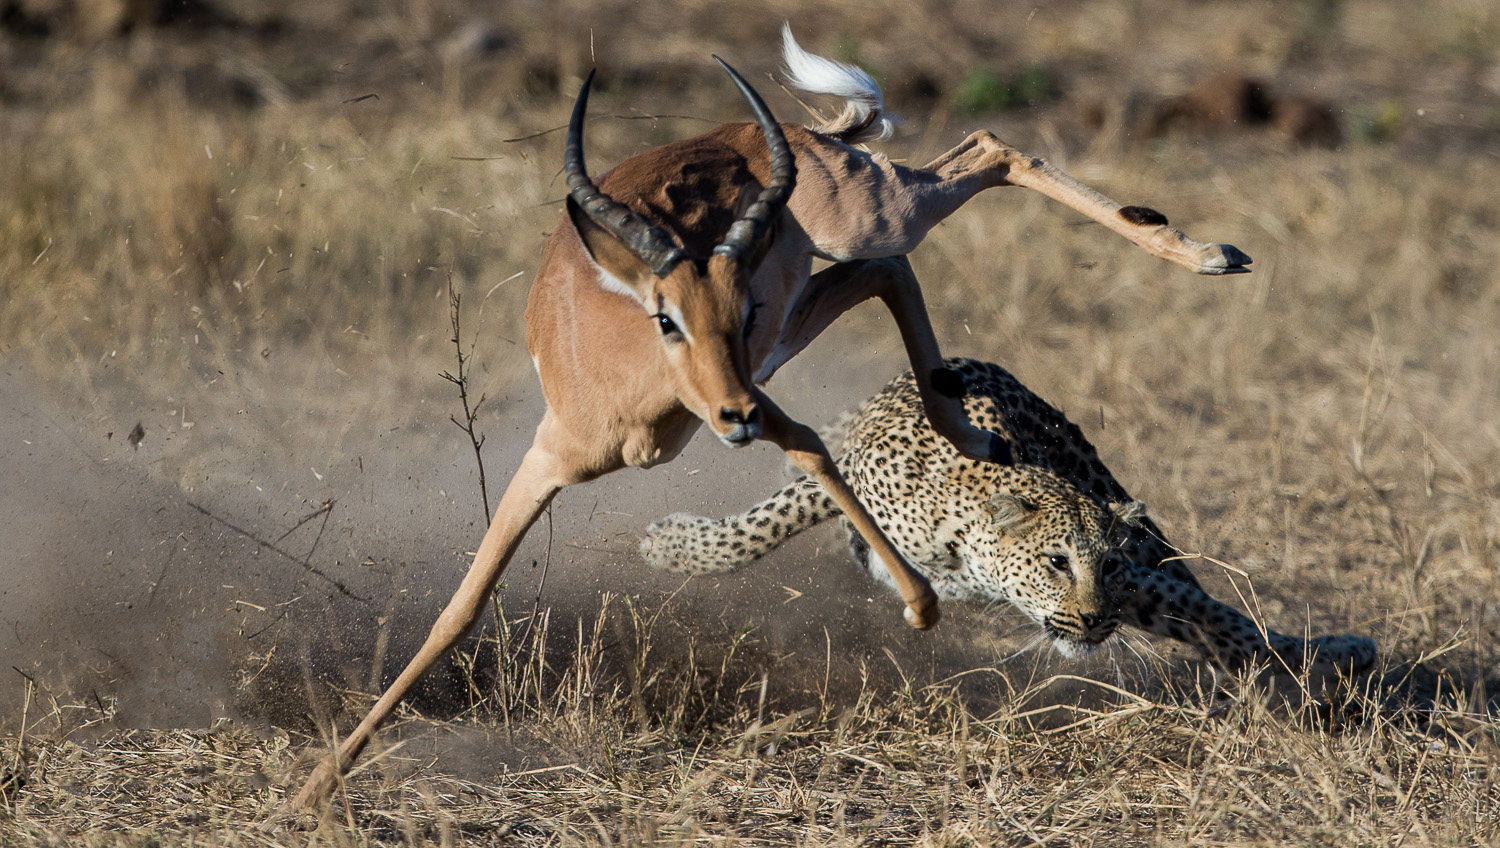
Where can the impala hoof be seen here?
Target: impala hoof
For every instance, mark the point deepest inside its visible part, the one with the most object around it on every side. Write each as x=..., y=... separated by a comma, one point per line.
x=922, y=619
x=319, y=786
x=1231, y=260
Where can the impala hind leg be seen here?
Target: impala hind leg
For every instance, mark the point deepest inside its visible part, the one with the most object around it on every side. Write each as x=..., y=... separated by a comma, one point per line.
x=541, y=475
x=983, y=161
x=839, y=288
x=807, y=452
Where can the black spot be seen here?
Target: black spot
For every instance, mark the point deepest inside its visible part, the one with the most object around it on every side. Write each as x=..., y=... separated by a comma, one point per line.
x=947, y=382
x=1000, y=451
x=1143, y=216
x=1147, y=614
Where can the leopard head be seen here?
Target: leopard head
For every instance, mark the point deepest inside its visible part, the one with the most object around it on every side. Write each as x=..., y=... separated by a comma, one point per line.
x=1050, y=553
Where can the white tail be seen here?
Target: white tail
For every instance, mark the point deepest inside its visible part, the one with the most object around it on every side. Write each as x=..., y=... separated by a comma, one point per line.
x=863, y=118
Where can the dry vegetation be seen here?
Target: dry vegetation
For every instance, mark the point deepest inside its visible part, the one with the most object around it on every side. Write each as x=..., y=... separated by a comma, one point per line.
x=207, y=208
x=674, y=755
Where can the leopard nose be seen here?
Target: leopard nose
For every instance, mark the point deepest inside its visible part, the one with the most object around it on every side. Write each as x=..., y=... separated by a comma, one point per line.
x=1091, y=620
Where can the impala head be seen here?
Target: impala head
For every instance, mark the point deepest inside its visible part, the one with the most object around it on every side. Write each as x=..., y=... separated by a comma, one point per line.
x=699, y=306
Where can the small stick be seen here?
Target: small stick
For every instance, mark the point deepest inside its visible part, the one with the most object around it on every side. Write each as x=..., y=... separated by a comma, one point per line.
x=461, y=379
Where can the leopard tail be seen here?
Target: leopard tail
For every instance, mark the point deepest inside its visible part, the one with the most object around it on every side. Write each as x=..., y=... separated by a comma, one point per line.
x=698, y=545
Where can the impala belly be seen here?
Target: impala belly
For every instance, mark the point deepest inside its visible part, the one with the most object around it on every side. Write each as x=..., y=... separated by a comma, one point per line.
x=858, y=205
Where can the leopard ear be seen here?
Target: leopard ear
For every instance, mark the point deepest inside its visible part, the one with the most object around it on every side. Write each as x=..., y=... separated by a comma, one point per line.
x=1125, y=515
x=1128, y=513
x=1011, y=514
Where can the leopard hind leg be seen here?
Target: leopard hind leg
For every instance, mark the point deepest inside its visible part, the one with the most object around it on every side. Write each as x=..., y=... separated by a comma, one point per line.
x=1153, y=600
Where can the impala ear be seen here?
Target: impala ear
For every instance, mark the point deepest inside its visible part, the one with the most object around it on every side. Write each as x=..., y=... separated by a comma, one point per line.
x=1011, y=514
x=611, y=254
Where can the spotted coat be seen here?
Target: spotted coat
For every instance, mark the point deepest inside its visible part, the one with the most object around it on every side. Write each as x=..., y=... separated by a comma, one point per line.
x=1055, y=534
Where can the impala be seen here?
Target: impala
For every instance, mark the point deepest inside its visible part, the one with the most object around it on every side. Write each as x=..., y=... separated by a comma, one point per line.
x=682, y=281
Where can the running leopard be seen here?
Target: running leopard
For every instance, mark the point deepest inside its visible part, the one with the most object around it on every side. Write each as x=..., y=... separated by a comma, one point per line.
x=1055, y=534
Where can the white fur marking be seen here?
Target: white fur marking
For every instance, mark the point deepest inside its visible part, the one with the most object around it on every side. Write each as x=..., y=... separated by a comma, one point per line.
x=610, y=283
x=818, y=75
x=671, y=311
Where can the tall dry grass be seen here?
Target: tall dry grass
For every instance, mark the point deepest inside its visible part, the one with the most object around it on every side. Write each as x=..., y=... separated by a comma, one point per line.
x=699, y=754
x=287, y=255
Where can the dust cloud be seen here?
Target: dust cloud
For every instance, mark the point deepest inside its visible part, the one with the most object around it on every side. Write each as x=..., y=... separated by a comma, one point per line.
x=268, y=581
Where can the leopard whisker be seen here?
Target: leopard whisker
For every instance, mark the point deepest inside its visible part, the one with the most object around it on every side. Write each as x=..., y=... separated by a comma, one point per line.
x=1150, y=652
x=1035, y=640
x=1145, y=664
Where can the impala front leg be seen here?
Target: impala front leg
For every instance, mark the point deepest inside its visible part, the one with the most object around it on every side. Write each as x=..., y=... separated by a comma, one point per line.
x=983, y=161
x=807, y=452
x=839, y=288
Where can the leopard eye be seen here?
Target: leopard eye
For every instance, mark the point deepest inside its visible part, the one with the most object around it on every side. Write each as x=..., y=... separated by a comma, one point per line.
x=665, y=324
x=1058, y=561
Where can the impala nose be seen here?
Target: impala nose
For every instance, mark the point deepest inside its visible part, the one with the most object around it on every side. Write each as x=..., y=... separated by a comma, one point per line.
x=735, y=416
x=744, y=425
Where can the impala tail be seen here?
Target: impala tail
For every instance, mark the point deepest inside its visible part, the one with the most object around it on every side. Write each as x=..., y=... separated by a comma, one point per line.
x=863, y=118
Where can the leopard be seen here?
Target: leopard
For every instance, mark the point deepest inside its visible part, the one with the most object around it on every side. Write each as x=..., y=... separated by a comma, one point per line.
x=1054, y=534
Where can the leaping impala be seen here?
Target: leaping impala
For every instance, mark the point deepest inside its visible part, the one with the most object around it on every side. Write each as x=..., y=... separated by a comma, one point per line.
x=682, y=281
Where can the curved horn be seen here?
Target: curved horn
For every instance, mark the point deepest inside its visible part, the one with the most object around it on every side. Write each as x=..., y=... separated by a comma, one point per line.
x=746, y=234
x=648, y=243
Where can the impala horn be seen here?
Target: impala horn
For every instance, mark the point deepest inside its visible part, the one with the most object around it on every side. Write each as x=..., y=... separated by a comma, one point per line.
x=746, y=235
x=648, y=243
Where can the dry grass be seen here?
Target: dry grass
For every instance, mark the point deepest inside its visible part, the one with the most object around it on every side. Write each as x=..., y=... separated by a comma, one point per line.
x=1330, y=424
x=654, y=756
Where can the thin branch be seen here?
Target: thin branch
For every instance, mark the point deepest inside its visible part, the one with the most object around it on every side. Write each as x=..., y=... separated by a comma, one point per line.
x=461, y=379
x=541, y=133
x=271, y=546
x=323, y=510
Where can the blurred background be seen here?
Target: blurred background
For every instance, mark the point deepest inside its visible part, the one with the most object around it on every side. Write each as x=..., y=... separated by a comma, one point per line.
x=229, y=482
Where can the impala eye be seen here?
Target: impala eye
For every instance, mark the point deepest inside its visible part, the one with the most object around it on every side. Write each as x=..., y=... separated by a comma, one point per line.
x=1058, y=561
x=665, y=324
